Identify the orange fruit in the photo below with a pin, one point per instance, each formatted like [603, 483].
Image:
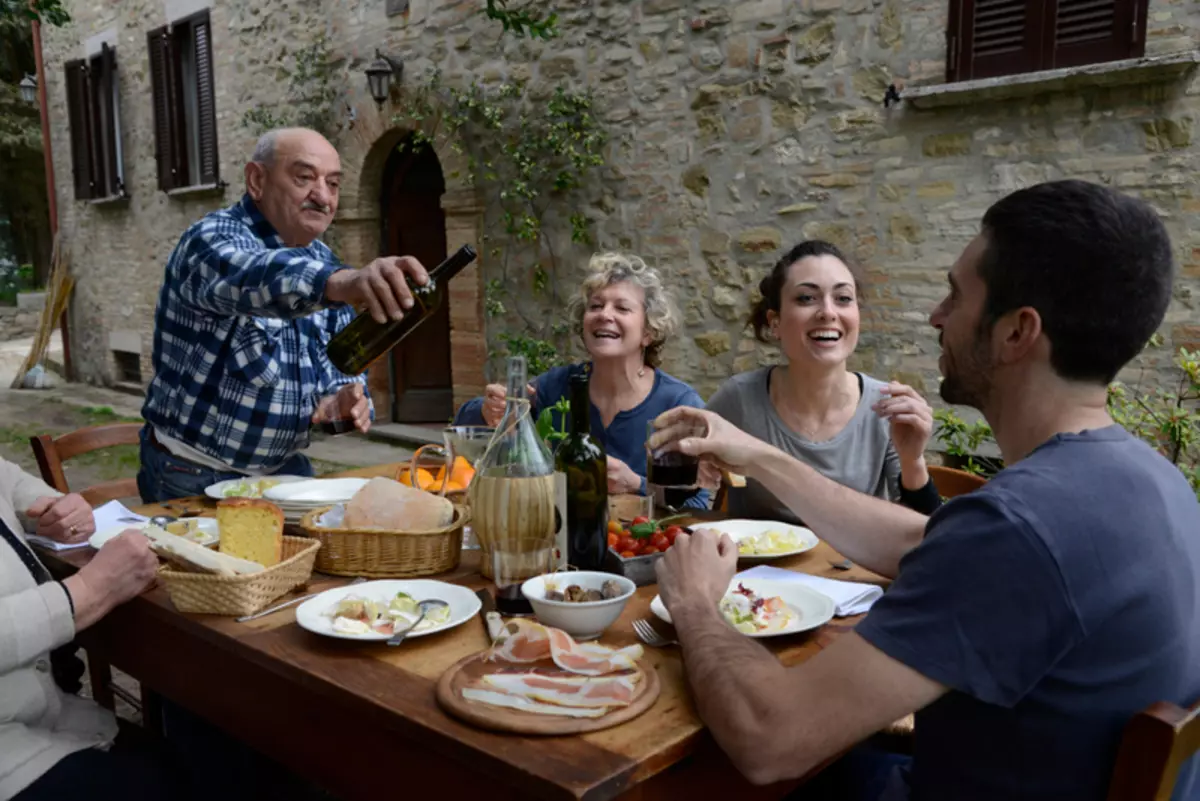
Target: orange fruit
[462, 472]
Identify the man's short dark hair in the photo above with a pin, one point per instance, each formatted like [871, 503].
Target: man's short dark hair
[1095, 264]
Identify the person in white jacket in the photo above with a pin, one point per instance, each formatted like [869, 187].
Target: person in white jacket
[54, 745]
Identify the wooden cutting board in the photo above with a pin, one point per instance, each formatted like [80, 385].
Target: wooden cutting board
[465, 671]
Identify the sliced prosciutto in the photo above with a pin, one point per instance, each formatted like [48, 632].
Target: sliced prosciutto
[531, 642]
[496, 698]
[574, 691]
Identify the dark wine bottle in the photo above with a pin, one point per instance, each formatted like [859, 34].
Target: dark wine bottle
[582, 460]
[360, 343]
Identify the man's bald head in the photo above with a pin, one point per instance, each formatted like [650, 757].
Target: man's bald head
[294, 177]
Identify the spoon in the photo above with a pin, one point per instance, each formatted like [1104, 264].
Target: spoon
[162, 520]
[426, 608]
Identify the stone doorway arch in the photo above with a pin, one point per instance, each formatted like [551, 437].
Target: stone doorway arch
[359, 237]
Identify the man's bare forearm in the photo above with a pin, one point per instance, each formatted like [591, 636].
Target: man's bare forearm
[872, 532]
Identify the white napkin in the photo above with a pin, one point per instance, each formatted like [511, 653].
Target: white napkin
[849, 597]
[110, 515]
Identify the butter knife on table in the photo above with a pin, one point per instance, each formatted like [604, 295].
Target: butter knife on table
[491, 617]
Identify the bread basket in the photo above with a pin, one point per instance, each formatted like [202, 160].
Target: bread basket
[383, 553]
[204, 593]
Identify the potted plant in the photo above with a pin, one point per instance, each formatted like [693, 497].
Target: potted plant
[961, 441]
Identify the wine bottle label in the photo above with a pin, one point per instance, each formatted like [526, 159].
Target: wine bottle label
[560, 520]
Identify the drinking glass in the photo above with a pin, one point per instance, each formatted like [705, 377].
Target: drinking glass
[514, 561]
[672, 468]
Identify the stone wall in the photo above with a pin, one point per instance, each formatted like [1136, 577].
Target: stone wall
[18, 323]
[736, 130]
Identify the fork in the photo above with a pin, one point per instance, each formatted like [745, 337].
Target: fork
[649, 635]
[286, 604]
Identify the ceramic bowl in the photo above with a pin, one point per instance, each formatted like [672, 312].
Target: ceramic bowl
[583, 621]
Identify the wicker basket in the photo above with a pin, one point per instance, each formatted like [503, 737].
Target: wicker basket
[205, 593]
[379, 553]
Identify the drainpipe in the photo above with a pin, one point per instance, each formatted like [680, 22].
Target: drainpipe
[51, 196]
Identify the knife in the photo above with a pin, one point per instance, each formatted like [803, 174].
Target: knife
[491, 617]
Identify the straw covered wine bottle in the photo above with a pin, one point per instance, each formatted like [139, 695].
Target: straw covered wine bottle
[360, 343]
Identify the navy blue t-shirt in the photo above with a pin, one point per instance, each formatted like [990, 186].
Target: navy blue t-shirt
[625, 437]
[1055, 602]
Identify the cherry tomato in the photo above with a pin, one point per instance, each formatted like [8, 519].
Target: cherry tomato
[672, 532]
[614, 526]
[649, 549]
[627, 544]
[660, 541]
[637, 521]
[628, 555]
[613, 539]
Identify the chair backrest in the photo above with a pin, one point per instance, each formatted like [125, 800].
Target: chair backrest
[951, 483]
[51, 453]
[1156, 744]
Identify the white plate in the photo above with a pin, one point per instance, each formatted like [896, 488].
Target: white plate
[218, 490]
[316, 491]
[739, 530]
[204, 525]
[810, 608]
[464, 605]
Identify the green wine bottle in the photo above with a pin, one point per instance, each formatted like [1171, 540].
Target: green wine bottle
[585, 466]
[360, 343]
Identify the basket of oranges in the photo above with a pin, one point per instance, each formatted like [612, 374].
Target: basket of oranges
[427, 470]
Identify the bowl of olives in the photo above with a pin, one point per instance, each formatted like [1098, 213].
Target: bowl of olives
[582, 603]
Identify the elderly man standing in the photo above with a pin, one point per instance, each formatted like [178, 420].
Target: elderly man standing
[250, 298]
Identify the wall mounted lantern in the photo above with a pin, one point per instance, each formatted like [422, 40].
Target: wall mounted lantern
[379, 77]
[28, 86]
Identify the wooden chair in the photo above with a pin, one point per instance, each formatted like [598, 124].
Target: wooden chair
[951, 483]
[1156, 744]
[51, 453]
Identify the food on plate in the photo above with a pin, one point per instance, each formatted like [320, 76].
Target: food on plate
[188, 529]
[643, 536]
[192, 556]
[249, 488]
[356, 614]
[386, 504]
[524, 704]
[749, 613]
[568, 689]
[525, 641]
[251, 528]
[770, 541]
[576, 594]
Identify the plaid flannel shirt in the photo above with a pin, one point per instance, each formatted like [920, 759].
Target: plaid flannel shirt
[239, 340]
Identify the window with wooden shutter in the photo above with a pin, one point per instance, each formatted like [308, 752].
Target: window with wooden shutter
[93, 113]
[989, 38]
[185, 115]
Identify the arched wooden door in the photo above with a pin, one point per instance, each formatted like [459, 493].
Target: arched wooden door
[414, 225]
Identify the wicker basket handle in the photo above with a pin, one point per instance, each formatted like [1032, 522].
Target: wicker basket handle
[416, 458]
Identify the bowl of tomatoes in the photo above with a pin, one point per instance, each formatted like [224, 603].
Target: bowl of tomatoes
[634, 549]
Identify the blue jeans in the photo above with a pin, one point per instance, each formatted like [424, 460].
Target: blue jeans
[164, 476]
[865, 773]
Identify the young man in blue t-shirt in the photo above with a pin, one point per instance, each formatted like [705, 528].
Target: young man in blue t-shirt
[1029, 620]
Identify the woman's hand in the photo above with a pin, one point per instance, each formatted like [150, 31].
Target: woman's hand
[123, 569]
[67, 519]
[621, 478]
[495, 396]
[911, 421]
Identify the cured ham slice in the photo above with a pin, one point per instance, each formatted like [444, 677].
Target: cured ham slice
[574, 691]
[496, 698]
[532, 642]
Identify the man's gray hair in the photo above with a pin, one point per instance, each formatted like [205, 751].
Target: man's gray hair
[264, 150]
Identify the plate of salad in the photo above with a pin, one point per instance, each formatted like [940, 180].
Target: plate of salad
[248, 487]
[375, 610]
[765, 608]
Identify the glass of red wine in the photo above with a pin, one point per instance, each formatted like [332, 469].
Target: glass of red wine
[672, 468]
[341, 425]
[513, 563]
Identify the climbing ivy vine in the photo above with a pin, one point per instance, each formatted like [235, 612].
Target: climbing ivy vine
[534, 157]
[312, 96]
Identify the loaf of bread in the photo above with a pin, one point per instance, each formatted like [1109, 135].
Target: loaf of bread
[191, 556]
[251, 528]
[386, 504]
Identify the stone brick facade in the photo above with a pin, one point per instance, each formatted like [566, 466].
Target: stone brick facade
[736, 130]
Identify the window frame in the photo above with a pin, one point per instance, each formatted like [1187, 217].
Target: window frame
[94, 123]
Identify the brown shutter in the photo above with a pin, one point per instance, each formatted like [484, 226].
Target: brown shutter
[107, 82]
[77, 114]
[1092, 31]
[206, 106]
[987, 38]
[162, 87]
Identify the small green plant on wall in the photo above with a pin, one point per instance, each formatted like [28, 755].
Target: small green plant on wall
[312, 95]
[534, 157]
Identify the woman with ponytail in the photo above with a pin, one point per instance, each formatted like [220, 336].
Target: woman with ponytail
[861, 432]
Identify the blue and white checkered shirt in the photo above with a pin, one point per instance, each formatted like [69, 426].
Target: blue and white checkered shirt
[239, 341]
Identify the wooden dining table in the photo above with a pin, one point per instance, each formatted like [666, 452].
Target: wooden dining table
[361, 719]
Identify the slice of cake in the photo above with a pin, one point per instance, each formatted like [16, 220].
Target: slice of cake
[251, 528]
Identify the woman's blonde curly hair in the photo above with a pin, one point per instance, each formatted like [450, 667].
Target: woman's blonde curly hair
[606, 269]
